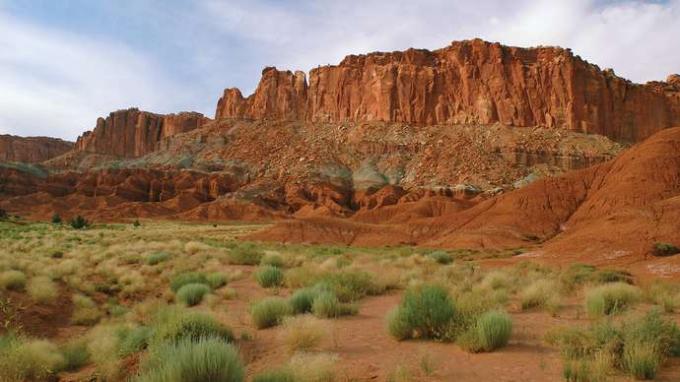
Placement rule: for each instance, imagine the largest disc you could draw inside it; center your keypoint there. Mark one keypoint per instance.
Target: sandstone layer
(468, 82)
(31, 149)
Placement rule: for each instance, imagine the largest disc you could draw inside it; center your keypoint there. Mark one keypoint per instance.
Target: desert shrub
(76, 355)
(86, 311)
(642, 360)
(79, 222)
(13, 280)
(57, 254)
(426, 311)
(183, 279)
(491, 331)
(205, 359)
(269, 276)
(278, 375)
(665, 249)
(42, 289)
(313, 367)
(192, 294)
(496, 280)
(304, 276)
(3, 215)
(216, 280)
(302, 299)
(541, 293)
(245, 255)
(269, 312)
(273, 259)
(136, 223)
(578, 371)
(349, 285)
(441, 257)
(610, 298)
(56, 219)
(175, 324)
(29, 360)
(157, 258)
(193, 247)
(327, 305)
(666, 295)
(303, 333)
(102, 345)
(134, 340)
(612, 276)
(575, 276)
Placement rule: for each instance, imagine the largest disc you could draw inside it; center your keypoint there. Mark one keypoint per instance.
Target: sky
(63, 63)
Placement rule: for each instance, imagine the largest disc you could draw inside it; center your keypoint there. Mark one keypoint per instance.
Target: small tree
(56, 219)
(136, 223)
(79, 222)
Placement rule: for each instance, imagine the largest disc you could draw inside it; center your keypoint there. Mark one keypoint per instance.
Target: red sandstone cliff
(31, 149)
(133, 133)
(467, 82)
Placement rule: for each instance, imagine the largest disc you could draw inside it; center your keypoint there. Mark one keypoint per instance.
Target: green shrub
(491, 331)
(269, 312)
(349, 285)
(217, 280)
(56, 219)
(79, 222)
(33, 360)
(541, 293)
(327, 305)
(157, 257)
(245, 255)
(576, 275)
(426, 312)
(268, 276)
(610, 298)
(76, 355)
(175, 324)
(3, 215)
(641, 360)
(665, 249)
(273, 259)
(302, 299)
(192, 294)
(134, 340)
(578, 371)
(612, 276)
(279, 375)
(183, 279)
(205, 359)
(441, 257)
(13, 280)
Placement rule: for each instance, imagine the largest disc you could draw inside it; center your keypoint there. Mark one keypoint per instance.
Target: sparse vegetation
(269, 312)
(425, 312)
(13, 280)
(665, 249)
(192, 294)
(303, 333)
(610, 298)
(79, 222)
(269, 276)
(157, 258)
(42, 289)
(491, 331)
(183, 279)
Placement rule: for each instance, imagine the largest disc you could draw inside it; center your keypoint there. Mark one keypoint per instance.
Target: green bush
(157, 257)
(273, 259)
(269, 276)
(205, 359)
(245, 255)
(174, 324)
(75, 355)
(491, 331)
(269, 312)
(327, 305)
(79, 222)
(192, 294)
(665, 249)
(349, 285)
(3, 215)
(441, 257)
(610, 298)
(56, 219)
(13, 280)
(183, 279)
(426, 312)
(280, 375)
(217, 280)
(642, 360)
(134, 340)
(578, 371)
(302, 299)
(612, 276)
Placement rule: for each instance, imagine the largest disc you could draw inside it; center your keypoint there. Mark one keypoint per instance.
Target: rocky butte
(468, 82)
(31, 149)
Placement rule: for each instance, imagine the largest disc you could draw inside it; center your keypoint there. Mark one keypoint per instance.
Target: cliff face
(133, 133)
(31, 149)
(466, 82)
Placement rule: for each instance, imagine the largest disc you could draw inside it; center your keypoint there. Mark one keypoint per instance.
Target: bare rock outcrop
(467, 82)
(31, 149)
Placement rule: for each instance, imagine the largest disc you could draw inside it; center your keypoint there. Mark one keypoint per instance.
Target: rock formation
(31, 149)
(133, 133)
(465, 83)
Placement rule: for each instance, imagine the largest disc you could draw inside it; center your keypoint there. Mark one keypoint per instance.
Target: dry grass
(303, 333)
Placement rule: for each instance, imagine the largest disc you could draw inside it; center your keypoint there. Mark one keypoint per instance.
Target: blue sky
(64, 63)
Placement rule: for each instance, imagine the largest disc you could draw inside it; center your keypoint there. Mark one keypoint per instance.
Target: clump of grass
(193, 247)
(42, 289)
(313, 367)
(175, 324)
(303, 333)
(13, 280)
(441, 257)
(350, 285)
(327, 305)
(269, 312)
(642, 361)
(29, 360)
(269, 276)
(192, 294)
(245, 255)
(206, 359)
(666, 295)
(424, 312)
(610, 298)
(278, 375)
(157, 258)
(491, 331)
(541, 293)
(578, 371)
(76, 355)
(605, 276)
(302, 299)
(273, 259)
(183, 279)
(79, 222)
(86, 311)
(217, 280)
(133, 340)
(665, 249)
(496, 280)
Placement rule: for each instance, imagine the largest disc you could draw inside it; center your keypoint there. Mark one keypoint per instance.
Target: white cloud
(55, 83)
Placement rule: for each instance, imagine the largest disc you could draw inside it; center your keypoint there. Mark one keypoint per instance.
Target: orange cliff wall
(31, 149)
(467, 82)
(133, 133)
